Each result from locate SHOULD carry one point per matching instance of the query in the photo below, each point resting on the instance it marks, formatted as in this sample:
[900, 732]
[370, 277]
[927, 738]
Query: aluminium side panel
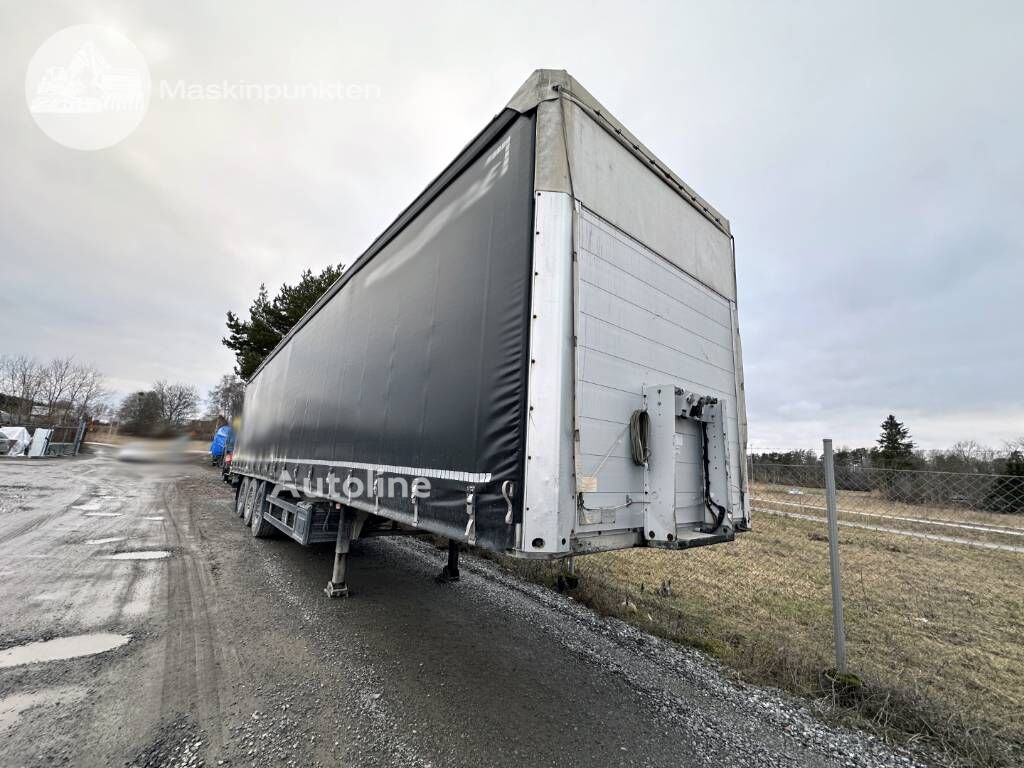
[415, 365]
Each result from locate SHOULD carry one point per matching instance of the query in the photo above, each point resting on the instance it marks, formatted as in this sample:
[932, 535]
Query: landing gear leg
[450, 572]
[567, 579]
[337, 587]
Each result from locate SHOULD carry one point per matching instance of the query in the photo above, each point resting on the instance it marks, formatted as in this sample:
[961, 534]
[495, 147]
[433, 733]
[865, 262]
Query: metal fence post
[79, 435]
[838, 626]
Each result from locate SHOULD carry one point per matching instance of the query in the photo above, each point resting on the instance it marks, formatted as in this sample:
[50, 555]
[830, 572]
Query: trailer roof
[548, 84]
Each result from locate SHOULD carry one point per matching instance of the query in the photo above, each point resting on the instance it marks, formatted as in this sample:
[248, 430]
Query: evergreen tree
[1007, 494]
[895, 448]
[269, 320]
[1015, 464]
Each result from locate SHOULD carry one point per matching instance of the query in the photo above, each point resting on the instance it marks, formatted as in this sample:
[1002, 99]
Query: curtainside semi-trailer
[540, 356]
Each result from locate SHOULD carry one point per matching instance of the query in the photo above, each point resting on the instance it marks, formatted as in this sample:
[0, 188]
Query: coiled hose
[639, 428]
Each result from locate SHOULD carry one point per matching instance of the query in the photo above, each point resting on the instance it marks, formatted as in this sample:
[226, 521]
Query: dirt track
[237, 658]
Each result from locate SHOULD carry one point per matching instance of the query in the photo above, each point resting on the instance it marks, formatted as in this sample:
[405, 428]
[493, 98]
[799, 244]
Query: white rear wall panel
[640, 319]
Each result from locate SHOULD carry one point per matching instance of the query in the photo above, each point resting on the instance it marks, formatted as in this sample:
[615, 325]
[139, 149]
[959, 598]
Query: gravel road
[237, 658]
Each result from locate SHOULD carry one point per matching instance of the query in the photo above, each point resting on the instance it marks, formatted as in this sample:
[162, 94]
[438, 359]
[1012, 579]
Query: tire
[261, 529]
[240, 496]
[250, 501]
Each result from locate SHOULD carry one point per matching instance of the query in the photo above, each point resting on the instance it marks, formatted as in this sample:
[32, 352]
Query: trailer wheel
[250, 500]
[240, 495]
[261, 529]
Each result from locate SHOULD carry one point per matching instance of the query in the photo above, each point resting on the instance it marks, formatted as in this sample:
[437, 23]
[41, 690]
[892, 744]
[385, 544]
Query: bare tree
[225, 399]
[60, 391]
[56, 381]
[87, 394]
[140, 413]
[969, 452]
[21, 380]
[102, 409]
[178, 402]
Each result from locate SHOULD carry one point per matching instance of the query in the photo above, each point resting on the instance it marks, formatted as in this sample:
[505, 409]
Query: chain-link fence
[927, 565]
[910, 500]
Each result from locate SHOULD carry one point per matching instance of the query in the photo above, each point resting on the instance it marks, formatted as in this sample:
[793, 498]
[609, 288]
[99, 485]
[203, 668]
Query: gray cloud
[868, 157]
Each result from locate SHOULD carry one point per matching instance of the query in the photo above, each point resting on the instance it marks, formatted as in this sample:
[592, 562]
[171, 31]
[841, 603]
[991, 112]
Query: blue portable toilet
[222, 439]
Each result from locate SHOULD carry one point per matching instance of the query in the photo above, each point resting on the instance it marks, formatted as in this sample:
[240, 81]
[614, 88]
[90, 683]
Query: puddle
[154, 519]
[111, 540]
[152, 554]
[12, 707]
[90, 507]
[104, 514]
[62, 648]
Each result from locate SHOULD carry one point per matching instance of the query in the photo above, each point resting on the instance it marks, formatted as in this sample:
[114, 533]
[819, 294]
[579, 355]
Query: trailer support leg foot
[337, 587]
[336, 590]
[450, 572]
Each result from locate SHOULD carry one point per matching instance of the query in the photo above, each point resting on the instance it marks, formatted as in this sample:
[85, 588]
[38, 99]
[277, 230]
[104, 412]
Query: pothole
[150, 554]
[62, 648]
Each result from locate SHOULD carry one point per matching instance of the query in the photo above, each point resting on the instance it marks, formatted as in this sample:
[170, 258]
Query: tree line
[895, 449]
[58, 391]
[967, 474]
[63, 392]
[166, 409]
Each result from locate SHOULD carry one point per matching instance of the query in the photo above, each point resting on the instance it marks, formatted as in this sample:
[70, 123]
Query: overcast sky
[870, 158]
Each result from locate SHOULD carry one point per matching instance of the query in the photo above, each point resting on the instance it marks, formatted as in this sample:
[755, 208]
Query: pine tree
[895, 448]
[1007, 494]
[269, 320]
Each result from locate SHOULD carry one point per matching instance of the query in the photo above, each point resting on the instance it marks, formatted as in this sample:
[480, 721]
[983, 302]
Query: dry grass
[934, 629]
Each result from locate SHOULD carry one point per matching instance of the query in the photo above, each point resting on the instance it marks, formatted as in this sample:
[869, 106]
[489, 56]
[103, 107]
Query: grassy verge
[934, 629]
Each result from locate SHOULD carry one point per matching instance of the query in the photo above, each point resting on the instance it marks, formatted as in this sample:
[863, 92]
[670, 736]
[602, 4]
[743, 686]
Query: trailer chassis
[313, 520]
